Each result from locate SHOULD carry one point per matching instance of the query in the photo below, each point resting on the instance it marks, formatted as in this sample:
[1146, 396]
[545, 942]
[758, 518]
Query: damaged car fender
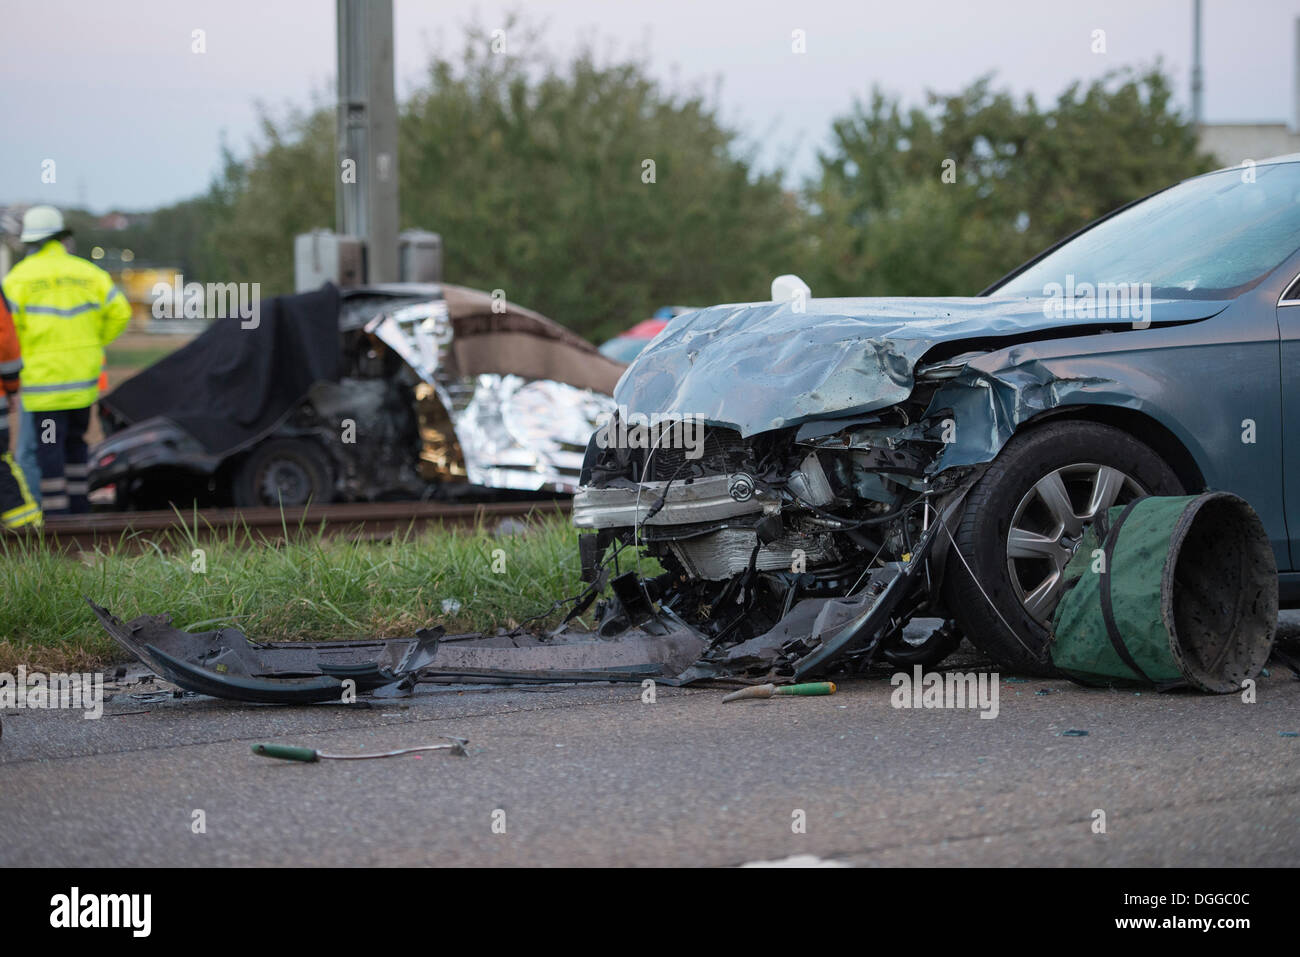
[1202, 395]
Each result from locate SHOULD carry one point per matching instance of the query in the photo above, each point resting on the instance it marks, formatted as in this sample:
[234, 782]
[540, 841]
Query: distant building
[1233, 143]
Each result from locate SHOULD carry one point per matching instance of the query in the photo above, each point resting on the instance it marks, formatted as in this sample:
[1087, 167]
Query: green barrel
[1169, 591]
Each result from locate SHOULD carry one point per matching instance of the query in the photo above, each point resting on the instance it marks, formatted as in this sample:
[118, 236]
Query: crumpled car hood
[761, 366]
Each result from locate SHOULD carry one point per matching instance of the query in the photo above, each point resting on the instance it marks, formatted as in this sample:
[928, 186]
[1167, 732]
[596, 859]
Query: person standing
[65, 310]
[26, 454]
[17, 508]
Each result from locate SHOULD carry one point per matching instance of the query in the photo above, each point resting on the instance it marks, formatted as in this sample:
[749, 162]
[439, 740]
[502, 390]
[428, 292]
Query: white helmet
[41, 222]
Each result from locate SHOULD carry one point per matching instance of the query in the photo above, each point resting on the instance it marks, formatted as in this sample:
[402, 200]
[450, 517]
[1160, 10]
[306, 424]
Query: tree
[285, 188]
[587, 190]
[584, 190]
[944, 200]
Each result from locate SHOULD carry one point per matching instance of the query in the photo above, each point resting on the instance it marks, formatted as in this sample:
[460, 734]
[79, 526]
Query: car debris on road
[808, 689]
[286, 752]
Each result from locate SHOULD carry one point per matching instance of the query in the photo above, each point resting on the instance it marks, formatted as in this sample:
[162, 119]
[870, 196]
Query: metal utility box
[419, 256]
[323, 256]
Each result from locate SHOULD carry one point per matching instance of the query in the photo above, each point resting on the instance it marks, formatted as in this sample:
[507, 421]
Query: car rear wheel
[1024, 519]
[284, 471]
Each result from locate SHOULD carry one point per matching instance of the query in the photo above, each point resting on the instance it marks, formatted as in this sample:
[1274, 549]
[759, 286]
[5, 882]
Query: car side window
[1292, 296]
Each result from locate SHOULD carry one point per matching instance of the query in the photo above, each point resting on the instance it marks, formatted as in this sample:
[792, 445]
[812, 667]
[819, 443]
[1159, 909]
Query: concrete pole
[366, 202]
[1295, 75]
[1197, 84]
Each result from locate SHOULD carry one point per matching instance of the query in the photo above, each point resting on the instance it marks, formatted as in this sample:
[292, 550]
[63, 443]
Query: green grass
[313, 589]
[125, 357]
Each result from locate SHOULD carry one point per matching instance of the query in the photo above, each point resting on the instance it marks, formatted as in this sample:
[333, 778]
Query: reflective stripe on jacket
[65, 310]
[17, 507]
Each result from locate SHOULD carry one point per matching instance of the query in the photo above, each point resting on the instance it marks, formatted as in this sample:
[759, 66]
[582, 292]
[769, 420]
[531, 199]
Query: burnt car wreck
[406, 391]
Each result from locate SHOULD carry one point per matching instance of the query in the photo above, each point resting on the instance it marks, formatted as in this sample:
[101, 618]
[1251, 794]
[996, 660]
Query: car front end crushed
[819, 538]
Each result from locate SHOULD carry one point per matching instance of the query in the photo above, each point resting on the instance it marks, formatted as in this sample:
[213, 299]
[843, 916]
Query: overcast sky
[134, 119]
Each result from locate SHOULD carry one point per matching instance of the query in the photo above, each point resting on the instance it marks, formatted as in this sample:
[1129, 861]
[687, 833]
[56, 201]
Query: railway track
[262, 526]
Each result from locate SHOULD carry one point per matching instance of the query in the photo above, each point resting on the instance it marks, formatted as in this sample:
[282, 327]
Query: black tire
[923, 643]
[289, 471]
[1028, 459]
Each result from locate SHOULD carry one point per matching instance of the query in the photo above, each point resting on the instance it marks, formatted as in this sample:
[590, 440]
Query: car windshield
[1212, 237]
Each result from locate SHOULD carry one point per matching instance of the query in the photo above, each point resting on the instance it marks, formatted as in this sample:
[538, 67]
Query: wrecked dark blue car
[810, 474]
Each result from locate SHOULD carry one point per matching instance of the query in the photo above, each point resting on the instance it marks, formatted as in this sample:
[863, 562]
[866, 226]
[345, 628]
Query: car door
[1285, 286]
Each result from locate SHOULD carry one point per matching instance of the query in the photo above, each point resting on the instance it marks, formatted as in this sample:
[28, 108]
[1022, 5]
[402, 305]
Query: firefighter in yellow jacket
[16, 505]
[65, 310]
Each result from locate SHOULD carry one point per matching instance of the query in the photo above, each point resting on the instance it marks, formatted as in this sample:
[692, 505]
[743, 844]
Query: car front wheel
[1024, 519]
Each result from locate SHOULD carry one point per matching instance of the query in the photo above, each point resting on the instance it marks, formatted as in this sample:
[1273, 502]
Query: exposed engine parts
[751, 529]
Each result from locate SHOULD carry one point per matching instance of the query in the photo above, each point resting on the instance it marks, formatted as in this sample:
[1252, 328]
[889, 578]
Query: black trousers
[62, 455]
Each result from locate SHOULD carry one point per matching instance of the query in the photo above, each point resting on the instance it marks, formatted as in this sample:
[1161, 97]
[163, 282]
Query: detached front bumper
[815, 636]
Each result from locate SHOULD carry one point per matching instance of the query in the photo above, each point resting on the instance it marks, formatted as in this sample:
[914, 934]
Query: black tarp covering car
[400, 391]
[233, 384]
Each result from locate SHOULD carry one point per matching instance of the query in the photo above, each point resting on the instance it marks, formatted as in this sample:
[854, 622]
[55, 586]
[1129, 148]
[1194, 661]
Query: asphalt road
[594, 776]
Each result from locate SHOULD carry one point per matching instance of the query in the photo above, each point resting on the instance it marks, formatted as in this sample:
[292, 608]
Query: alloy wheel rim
[1049, 523]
